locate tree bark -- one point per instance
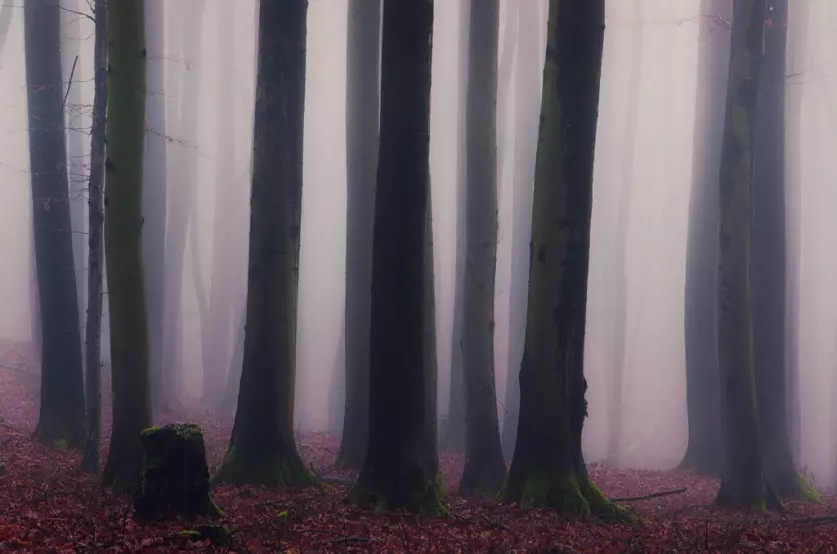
(362, 105)
(548, 467)
(123, 241)
(400, 469)
(262, 449)
(485, 468)
(61, 417)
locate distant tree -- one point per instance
(96, 213)
(337, 386)
(362, 106)
(704, 453)
(61, 418)
(154, 196)
(485, 468)
(262, 449)
(548, 466)
(6, 11)
(228, 404)
(743, 481)
(123, 241)
(400, 469)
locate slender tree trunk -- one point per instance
(485, 468)
(61, 417)
(93, 332)
(123, 241)
(548, 467)
(527, 112)
(400, 469)
(228, 404)
(154, 196)
(337, 386)
(362, 105)
(743, 483)
(6, 11)
(262, 448)
(704, 453)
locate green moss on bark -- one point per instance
(267, 470)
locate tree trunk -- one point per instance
(485, 468)
(743, 483)
(362, 105)
(704, 453)
(228, 404)
(123, 241)
(400, 470)
(154, 196)
(548, 467)
(527, 111)
(61, 417)
(337, 386)
(6, 11)
(93, 332)
(262, 448)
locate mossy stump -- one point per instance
(175, 477)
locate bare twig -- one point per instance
(649, 496)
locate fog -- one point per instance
(660, 146)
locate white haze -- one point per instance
(654, 415)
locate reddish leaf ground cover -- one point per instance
(48, 505)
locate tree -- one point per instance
(123, 241)
(548, 467)
(154, 197)
(401, 469)
(484, 466)
(743, 482)
(704, 453)
(362, 105)
(93, 332)
(262, 448)
(527, 107)
(61, 417)
(337, 386)
(5, 22)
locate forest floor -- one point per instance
(48, 505)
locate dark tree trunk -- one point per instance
(130, 378)
(743, 482)
(485, 468)
(527, 109)
(96, 213)
(61, 417)
(704, 453)
(400, 470)
(362, 105)
(548, 467)
(154, 196)
(262, 448)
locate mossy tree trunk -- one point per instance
(61, 417)
(130, 378)
(400, 469)
(743, 483)
(704, 453)
(96, 214)
(362, 106)
(527, 109)
(485, 468)
(548, 467)
(154, 196)
(262, 448)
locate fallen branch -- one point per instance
(649, 496)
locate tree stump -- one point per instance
(175, 477)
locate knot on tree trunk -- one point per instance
(175, 477)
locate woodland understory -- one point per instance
(50, 505)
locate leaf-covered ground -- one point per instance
(48, 505)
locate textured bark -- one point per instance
(154, 196)
(130, 378)
(704, 453)
(262, 448)
(548, 467)
(400, 469)
(484, 469)
(527, 111)
(93, 332)
(743, 483)
(61, 417)
(362, 105)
